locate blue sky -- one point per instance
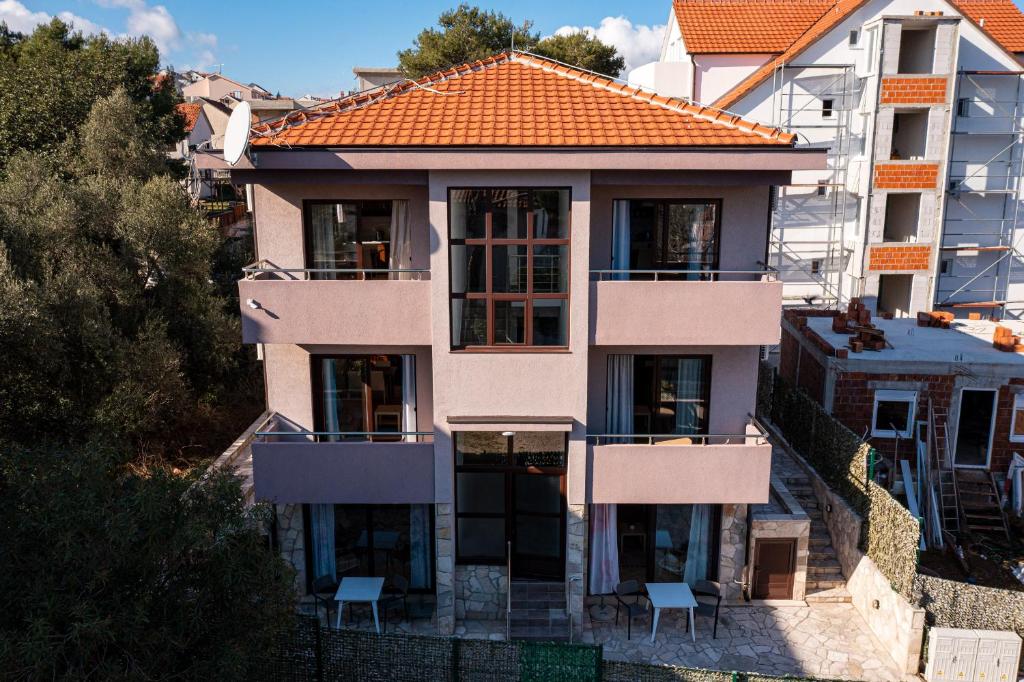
(310, 46)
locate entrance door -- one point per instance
(774, 566)
(974, 427)
(538, 526)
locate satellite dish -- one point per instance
(236, 136)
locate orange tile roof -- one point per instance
(514, 100)
(1002, 20)
(190, 112)
(745, 26)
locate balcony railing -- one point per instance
(263, 269)
(303, 436)
(765, 274)
(756, 435)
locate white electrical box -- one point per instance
(972, 655)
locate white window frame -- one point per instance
(887, 395)
(1018, 404)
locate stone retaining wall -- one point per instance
(291, 539)
(733, 556)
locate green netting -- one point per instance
(542, 661)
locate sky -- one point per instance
(310, 46)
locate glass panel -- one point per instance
(539, 448)
(892, 415)
(509, 322)
(469, 322)
(481, 537)
(538, 536)
(671, 541)
(551, 214)
(351, 525)
(1018, 417)
(468, 210)
(480, 492)
(332, 235)
(682, 408)
(508, 213)
(550, 322)
(550, 269)
(343, 406)
(475, 261)
(389, 542)
(509, 269)
(688, 240)
(537, 493)
(480, 447)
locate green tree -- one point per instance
(466, 34)
(50, 80)
(582, 50)
(114, 574)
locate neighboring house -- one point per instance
(205, 123)
(370, 77)
(921, 107)
(502, 311)
(217, 87)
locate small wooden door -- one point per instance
(774, 566)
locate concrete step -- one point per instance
(828, 571)
(835, 595)
(824, 584)
(820, 543)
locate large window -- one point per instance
(675, 234)
(668, 542)
(348, 235)
(671, 394)
(509, 262)
(363, 393)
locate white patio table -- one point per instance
(359, 590)
(671, 596)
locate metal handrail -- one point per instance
(769, 274)
(698, 438)
(262, 267)
(318, 436)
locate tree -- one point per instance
(582, 50)
(114, 574)
(467, 34)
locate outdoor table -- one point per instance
(359, 590)
(671, 596)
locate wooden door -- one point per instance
(774, 567)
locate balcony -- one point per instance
(674, 469)
(292, 466)
(659, 308)
(335, 306)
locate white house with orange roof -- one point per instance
(510, 317)
(920, 104)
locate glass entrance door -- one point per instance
(538, 526)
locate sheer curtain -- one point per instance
(321, 533)
(401, 240)
(322, 232)
(689, 395)
(330, 398)
(620, 238)
(696, 567)
(409, 395)
(419, 546)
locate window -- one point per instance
(893, 413)
(963, 107)
(509, 486)
(826, 108)
(946, 266)
(347, 235)
(822, 188)
(815, 266)
(509, 267)
(671, 394)
(1017, 426)
(853, 37)
(675, 234)
(361, 393)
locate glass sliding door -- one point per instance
(348, 235)
(671, 394)
(362, 393)
(675, 235)
(668, 542)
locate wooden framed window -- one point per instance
(509, 267)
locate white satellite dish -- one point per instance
(236, 136)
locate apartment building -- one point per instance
(920, 106)
(510, 319)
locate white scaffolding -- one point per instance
(816, 102)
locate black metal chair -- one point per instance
(396, 589)
(709, 599)
(638, 607)
(324, 589)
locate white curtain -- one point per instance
(696, 566)
(419, 546)
(620, 394)
(325, 253)
(620, 238)
(689, 395)
(330, 398)
(409, 395)
(604, 549)
(321, 521)
(401, 240)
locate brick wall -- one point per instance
(800, 367)
(904, 175)
(1002, 447)
(910, 90)
(894, 258)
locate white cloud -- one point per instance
(23, 20)
(638, 45)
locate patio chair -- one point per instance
(626, 590)
(709, 599)
(396, 589)
(324, 589)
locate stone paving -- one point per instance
(826, 640)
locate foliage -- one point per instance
(582, 50)
(891, 537)
(467, 34)
(106, 574)
(50, 80)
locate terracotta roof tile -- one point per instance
(1000, 19)
(513, 100)
(190, 112)
(745, 26)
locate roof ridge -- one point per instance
(678, 104)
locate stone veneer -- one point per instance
(445, 569)
(576, 564)
(481, 592)
(785, 519)
(291, 539)
(733, 557)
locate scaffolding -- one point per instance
(984, 114)
(816, 102)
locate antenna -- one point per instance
(236, 135)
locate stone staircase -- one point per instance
(539, 611)
(825, 581)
